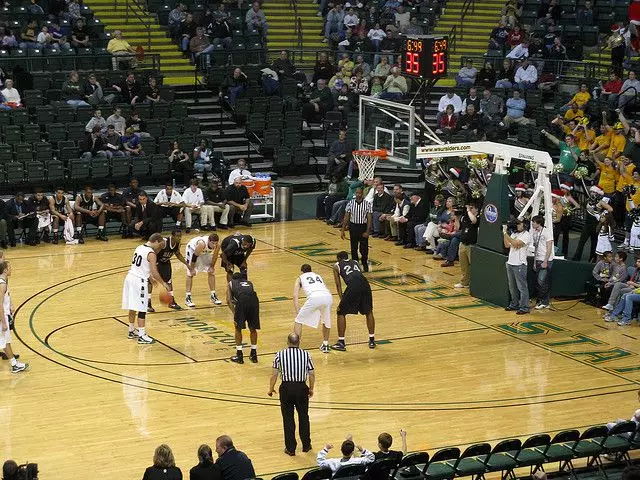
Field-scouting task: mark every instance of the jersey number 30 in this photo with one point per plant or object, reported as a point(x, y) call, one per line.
point(311, 280)
point(137, 260)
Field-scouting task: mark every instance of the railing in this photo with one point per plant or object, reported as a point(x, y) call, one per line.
point(135, 12)
point(453, 33)
point(68, 61)
point(297, 25)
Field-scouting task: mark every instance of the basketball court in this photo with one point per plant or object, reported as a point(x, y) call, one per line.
point(449, 368)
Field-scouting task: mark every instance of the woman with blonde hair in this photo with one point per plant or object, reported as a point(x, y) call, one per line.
point(164, 466)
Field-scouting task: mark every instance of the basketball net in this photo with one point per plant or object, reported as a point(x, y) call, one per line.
point(367, 160)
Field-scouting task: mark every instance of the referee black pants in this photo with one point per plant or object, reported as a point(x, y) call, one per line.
point(358, 241)
point(295, 395)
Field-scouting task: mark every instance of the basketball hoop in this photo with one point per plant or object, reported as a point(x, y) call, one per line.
point(366, 160)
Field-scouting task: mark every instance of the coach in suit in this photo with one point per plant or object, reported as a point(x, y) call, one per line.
point(147, 217)
point(17, 208)
point(418, 212)
point(234, 464)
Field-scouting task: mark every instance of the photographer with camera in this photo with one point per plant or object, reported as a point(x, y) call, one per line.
point(542, 240)
point(12, 471)
point(517, 239)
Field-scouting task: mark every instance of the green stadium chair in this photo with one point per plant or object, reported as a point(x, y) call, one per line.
point(68, 153)
point(18, 57)
point(14, 172)
point(33, 98)
point(171, 126)
point(159, 165)
point(472, 462)
point(259, 105)
point(55, 132)
point(242, 108)
point(165, 143)
point(35, 172)
point(19, 116)
point(271, 138)
point(561, 450)
point(618, 441)
point(121, 166)
point(79, 169)
point(68, 60)
point(283, 158)
point(5, 60)
point(301, 157)
point(125, 109)
point(411, 462)
point(55, 170)
point(275, 119)
point(380, 469)
point(275, 105)
point(442, 464)
point(167, 93)
point(66, 114)
point(286, 476)
point(19, 14)
point(84, 114)
point(292, 138)
point(36, 60)
point(178, 109)
point(99, 168)
point(533, 451)
point(53, 61)
point(255, 124)
point(53, 95)
point(75, 131)
point(524, 134)
point(219, 56)
point(31, 133)
point(5, 117)
point(255, 54)
point(160, 110)
point(44, 114)
point(350, 471)
point(12, 134)
point(154, 128)
point(163, 13)
point(502, 458)
point(238, 53)
point(293, 120)
point(140, 166)
point(43, 151)
point(590, 35)
point(148, 145)
point(318, 474)
point(95, 27)
point(102, 59)
point(186, 141)
point(6, 153)
point(144, 110)
point(190, 126)
point(24, 156)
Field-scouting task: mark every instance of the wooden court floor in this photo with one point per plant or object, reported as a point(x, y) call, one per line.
point(449, 369)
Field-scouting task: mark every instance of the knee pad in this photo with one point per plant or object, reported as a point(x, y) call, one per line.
point(142, 315)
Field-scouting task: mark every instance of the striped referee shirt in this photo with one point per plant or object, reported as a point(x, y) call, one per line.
point(359, 211)
point(294, 364)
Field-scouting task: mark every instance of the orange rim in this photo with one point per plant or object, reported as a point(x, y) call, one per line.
point(379, 154)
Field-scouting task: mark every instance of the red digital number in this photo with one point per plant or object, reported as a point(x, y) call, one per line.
point(438, 66)
point(412, 63)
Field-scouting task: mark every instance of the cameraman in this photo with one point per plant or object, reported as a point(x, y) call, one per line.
point(542, 238)
point(517, 240)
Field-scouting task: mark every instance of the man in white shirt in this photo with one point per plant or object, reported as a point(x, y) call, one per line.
point(518, 244)
point(194, 203)
point(450, 98)
point(526, 75)
point(10, 94)
point(542, 248)
point(519, 51)
point(171, 203)
point(402, 19)
point(241, 172)
point(347, 449)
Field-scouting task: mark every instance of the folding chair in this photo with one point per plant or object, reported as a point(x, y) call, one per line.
point(350, 471)
point(618, 442)
point(318, 474)
point(590, 446)
point(286, 476)
point(502, 458)
point(442, 464)
point(532, 453)
point(472, 462)
point(561, 450)
point(408, 466)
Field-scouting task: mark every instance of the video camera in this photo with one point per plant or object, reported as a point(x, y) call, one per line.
point(28, 471)
point(629, 190)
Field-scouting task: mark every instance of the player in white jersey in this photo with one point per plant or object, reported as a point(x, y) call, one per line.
point(317, 306)
point(6, 312)
point(135, 292)
point(201, 255)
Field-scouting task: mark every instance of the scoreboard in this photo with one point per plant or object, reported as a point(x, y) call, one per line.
point(426, 57)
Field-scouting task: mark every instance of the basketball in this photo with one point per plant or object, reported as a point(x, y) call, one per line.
point(165, 298)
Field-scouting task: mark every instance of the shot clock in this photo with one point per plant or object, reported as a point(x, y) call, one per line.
point(426, 56)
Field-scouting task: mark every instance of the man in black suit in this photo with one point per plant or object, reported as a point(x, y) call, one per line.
point(3, 224)
point(147, 217)
point(418, 212)
point(21, 215)
point(234, 464)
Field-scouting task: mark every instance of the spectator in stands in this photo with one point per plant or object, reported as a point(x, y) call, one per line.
point(176, 17)
point(320, 102)
point(617, 141)
point(112, 143)
point(234, 85)
point(44, 38)
point(164, 466)
point(520, 51)
point(498, 38)
point(580, 99)
point(130, 143)
point(526, 75)
point(346, 449)
point(558, 51)
point(350, 19)
point(79, 36)
point(93, 93)
point(256, 20)
point(170, 203)
point(240, 204)
point(9, 39)
point(120, 49)
point(233, 464)
point(400, 209)
point(206, 469)
point(569, 151)
point(72, 92)
point(147, 217)
point(58, 37)
point(395, 86)
point(338, 156)
point(630, 88)
point(347, 65)
point(193, 200)
point(240, 172)
point(506, 74)
point(486, 77)
point(376, 35)
point(417, 214)
point(447, 122)
point(612, 86)
point(29, 35)
point(222, 12)
point(469, 123)
point(385, 441)
point(118, 121)
point(151, 93)
point(284, 67)
point(552, 9)
point(389, 45)
point(512, 11)
point(402, 18)
point(129, 89)
point(323, 69)
point(96, 120)
point(382, 69)
point(139, 126)
point(515, 37)
point(584, 15)
point(73, 12)
point(516, 106)
point(10, 95)
point(467, 74)
point(180, 163)
point(220, 31)
point(363, 67)
point(346, 99)
point(35, 9)
point(336, 191)
point(93, 145)
point(202, 159)
point(584, 135)
point(334, 22)
point(449, 98)
point(471, 99)
point(383, 205)
point(573, 113)
point(187, 32)
point(491, 106)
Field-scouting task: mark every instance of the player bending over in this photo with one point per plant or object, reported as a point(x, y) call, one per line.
point(171, 248)
point(135, 292)
point(201, 255)
point(243, 302)
point(356, 298)
point(236, 250)
point(316, 307)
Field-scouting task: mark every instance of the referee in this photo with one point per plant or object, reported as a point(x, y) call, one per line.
point(358, 215)
point(294, 366)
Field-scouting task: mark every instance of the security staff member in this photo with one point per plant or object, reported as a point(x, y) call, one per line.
point(294, 366)
point(358, 217)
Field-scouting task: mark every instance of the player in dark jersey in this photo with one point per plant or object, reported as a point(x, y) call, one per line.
point(235, 251)
point(89, 209)
point(60, 212)
point(243, 302)
point(356, 298)
point(171, 248)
